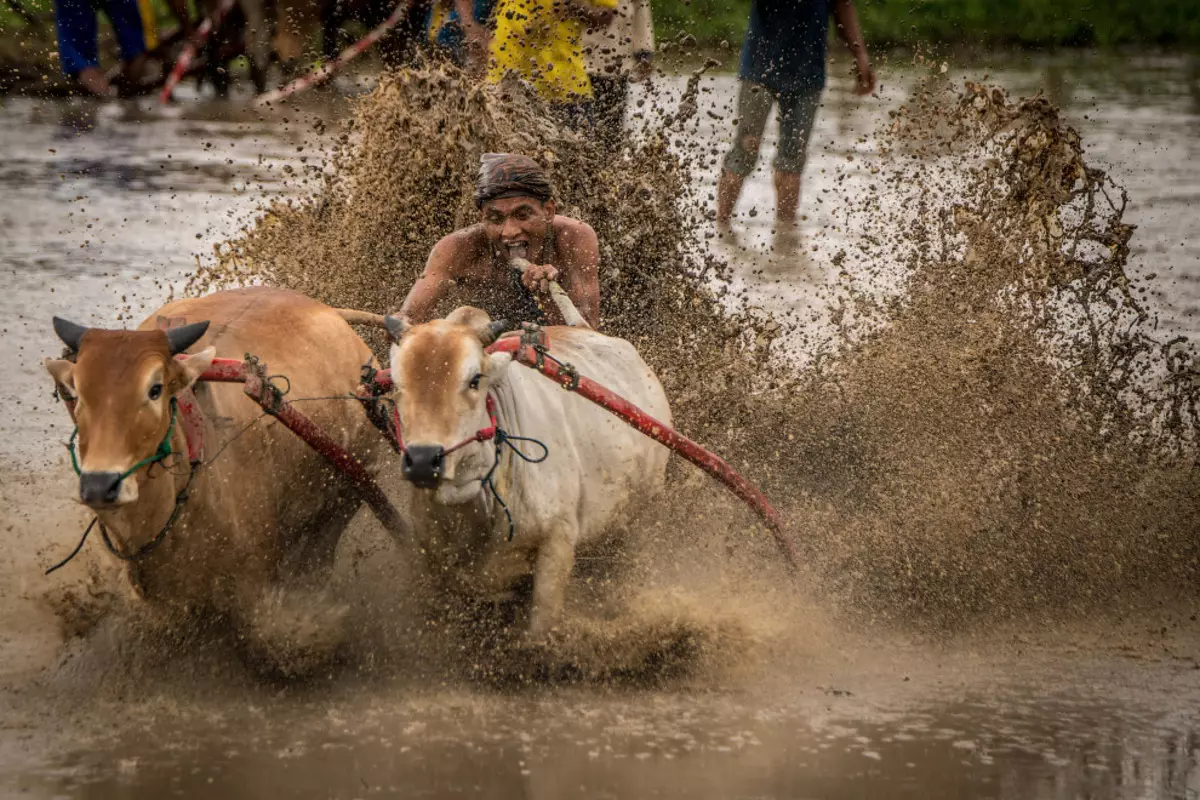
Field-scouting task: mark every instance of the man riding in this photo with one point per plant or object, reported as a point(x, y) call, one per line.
point(519, 219)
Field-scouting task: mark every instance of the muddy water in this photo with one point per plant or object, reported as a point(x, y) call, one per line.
point(106, 209)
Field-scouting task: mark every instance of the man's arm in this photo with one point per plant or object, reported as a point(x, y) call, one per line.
point(581, 272)
point(439, 272)
point(578, 274)
point(846, 17)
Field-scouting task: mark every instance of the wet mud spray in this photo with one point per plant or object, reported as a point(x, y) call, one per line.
point(999, 434)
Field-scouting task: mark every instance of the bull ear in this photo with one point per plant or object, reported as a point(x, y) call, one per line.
point(63, 373)
point(496, 367)
point(183, 337)
point(396, 327)
point(193, 366)
point(478, 320)
point(69, 332)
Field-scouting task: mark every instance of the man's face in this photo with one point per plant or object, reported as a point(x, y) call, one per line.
point(517, 226)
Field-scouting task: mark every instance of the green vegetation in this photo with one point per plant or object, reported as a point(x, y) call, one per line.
point(1022, 23)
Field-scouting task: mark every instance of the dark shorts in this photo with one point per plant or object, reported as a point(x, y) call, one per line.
point(797, 112)
point(78, 46)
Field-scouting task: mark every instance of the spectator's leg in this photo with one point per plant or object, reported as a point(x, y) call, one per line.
point(401, 46)
point(256, 37)
point(135, 28)
point(797, 112)
point(296, 23)
point(333, 16)
point(78, 50)
point(183, 15)
point(754, 105)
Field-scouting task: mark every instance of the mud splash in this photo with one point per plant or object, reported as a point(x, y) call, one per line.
point(1002, 435)
point(1031, 442)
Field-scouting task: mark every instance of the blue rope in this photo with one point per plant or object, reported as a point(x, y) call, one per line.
point(504, 438)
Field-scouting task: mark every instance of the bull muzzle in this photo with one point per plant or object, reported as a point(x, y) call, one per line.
point(100, 489)
point(422, 465)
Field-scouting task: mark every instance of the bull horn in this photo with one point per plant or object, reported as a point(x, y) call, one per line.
point(69, 332)
point(183, 337)
point(493, 330)
point(396, 327)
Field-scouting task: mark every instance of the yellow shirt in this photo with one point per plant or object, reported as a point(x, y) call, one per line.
point(542, 45)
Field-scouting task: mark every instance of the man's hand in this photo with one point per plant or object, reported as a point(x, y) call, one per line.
point(864, 76)
point(537, 278)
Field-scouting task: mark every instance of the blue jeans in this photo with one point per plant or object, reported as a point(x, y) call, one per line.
point(78, 46)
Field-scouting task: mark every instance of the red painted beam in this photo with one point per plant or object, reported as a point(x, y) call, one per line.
point(660, 432)
point(225, 370)
point(335, 454)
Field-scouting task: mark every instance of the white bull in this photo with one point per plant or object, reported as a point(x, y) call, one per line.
point(595, 466)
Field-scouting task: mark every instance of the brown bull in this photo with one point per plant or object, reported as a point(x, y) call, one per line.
point(264, 514)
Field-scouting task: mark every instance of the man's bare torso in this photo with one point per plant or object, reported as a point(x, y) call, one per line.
point(483, 278)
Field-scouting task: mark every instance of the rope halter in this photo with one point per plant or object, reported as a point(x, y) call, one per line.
point(163, 450)
point(481, 435)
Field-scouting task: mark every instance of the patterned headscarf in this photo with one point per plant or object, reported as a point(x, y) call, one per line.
point(510, 175)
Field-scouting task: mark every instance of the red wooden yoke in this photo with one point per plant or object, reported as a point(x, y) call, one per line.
point(258, 387)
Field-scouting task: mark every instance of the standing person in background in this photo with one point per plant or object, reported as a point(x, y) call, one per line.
point(541, 41)
point(615, 54)
point(78, 40)
point(458, 29)
point(783, 61)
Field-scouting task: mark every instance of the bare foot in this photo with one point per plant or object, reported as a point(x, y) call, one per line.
point(93, 81)
point(787, 239)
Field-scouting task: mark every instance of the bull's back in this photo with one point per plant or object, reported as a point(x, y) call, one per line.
point(617, 464)
point(279, 326)
point(613, 363)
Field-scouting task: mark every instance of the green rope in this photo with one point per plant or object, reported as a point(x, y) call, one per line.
point(164, 448)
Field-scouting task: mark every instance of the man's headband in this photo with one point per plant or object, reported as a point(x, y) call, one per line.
point(510, 175)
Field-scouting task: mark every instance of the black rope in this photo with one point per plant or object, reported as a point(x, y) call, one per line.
point(234, 438)
point(254, 421)
point(153, 544)
point(145, 549)
point(504, 438)
point(78, 547)
point(568, 370)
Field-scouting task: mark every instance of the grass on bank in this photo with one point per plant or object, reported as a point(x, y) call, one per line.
point(995, 23)
point(1000, 23)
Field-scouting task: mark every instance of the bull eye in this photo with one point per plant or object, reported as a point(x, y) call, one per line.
point(156, 391)
point(474, 384)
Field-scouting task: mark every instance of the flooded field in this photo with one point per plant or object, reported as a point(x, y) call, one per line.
point(107, 210)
